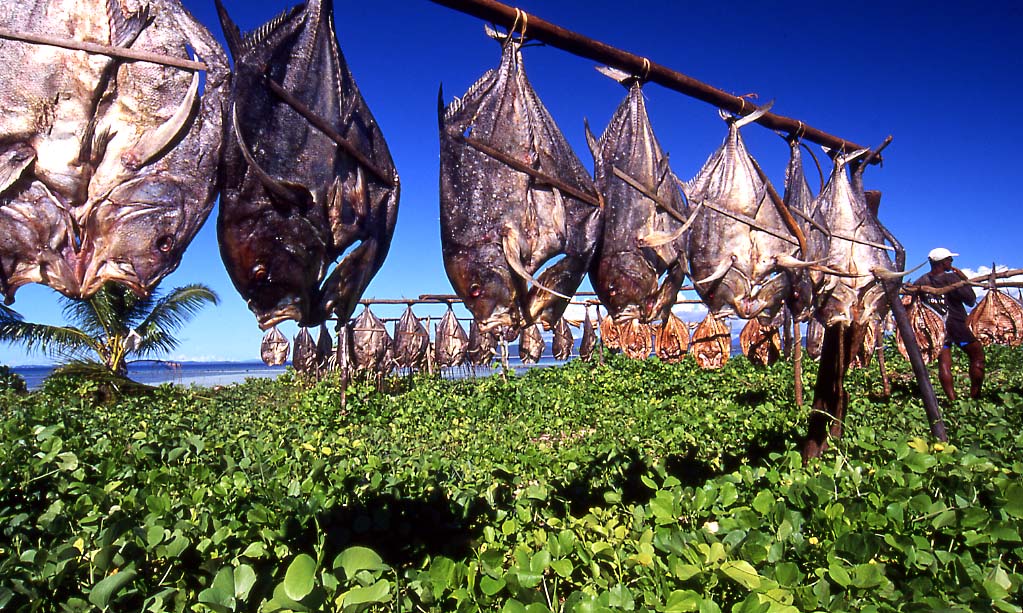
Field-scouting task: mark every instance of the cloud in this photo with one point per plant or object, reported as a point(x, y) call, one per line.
point(184, 357)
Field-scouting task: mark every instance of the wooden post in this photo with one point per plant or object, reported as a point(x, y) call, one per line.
point(797, 363)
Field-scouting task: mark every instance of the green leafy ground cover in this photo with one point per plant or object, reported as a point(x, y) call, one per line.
point(634, 486)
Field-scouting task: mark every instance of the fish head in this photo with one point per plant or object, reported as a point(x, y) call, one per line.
point(627, 285)
point(275, 266)
point(137, 234)
point(764, 299)
point(486, 285)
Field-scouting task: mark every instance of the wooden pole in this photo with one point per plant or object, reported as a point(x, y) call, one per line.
point(577, 44)
point(119, 52)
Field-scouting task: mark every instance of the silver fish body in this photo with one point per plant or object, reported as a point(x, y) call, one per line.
point(800, 200)
point(501, 223)
point(531, 344)
point(562, 344)
point(451, 342)
point(482, 346)
point(274, 348)
point(589, 338)
point(411, 341)
point(303, 358)
point(641, 262)
point(371, 344)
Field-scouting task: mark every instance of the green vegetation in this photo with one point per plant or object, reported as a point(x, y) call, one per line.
point(109, 327)
point(634, 486)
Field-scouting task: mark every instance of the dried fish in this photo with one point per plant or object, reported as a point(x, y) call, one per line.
point(482, 346)
point(513, 197)
point(814, 338)
point(589, 339)
point(671, 341)
point(531, 344)
point(760, 344)
point(997, 320)
point(866, 353)
point(800, 200)
point(561, 346)
point(109, 167)
point(636, 339)
point(610, 336)
point(324, 348)
point(451, 341)
point(711, 344)
point(411, 340)
point(303, 360)
point(371, 344)
point(274, 348)
point(641, 263)
point(740, 250)
point(929, 328)
point(306, 173)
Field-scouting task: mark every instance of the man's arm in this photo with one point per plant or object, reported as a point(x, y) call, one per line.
point(964, 293)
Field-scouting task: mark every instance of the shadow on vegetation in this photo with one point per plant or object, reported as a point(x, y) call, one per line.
point(404, 531)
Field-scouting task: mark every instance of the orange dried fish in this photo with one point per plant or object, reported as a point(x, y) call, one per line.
point(636, 340)
point(609, 334)
point(997, 319)
point(671, 341)
point(711, 342)
point(929, 329)
point(761, 344)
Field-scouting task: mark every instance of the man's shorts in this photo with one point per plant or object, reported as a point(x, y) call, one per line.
point(958, 333)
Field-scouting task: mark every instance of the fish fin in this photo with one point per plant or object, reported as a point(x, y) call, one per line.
point(261, 34)
point(845, 158)
point(657, 239)
point(151, 144)
point(592, 142)
point(232, 34)
point(13, 163)
point(621, 76)
point(721, 271)
point(291, 193)
point(124, 30)
point(755, 115)
point(513, 256)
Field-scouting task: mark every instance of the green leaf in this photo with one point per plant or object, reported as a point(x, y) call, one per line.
point(741, 572)
point(563, 567)
point(1014, 500)
point(763, 502)
point(299, 578)
point(244, 579)
point(681, 601)
point(839, 574)
point(107, 588)
point(997, 584)
point(490, 585)
point(354, 559)
point(378, 592)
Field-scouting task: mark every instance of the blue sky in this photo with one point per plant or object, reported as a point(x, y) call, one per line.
point(943, 82)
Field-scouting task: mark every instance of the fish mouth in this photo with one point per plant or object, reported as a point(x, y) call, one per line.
point(99, 273)
point(287, 309)
point(628, 314)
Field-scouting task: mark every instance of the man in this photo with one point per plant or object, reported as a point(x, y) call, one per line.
point(951, 307)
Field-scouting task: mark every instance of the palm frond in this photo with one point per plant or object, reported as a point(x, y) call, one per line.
point(59, 341)
point(174, 310)
point(9, 314)
point(155, 343)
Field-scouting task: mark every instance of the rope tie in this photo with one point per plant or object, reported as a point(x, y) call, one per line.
point(523, 17)
point(646, 69)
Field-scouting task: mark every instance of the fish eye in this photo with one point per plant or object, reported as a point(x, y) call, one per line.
point(165, 243)
point(259, 273)
point(475, 290)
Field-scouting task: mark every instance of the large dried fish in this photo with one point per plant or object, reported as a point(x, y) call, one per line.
point(929, 329)
point(108, 167)
point(640, 265)
point(636, 339)
point(450, 342)
point(482, 346)
point(513, 197)
point(711, 344)
point(740, 249)
point(589, 339)
point(411, 340)
point(274, 348)
point(997, 319)
point(531, 344)
point(561, 345)
point(760, 344)
point(671, 341)
point(298, 196)
point(303, 359)
point(371, 344)
point(800, 200)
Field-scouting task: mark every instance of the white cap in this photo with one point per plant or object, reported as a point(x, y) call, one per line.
point(940, 253)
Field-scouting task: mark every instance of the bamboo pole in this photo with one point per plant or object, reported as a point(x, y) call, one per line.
point(577, 44)
point(118, 52)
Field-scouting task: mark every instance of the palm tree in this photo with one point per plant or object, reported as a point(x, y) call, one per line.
point(110, 326)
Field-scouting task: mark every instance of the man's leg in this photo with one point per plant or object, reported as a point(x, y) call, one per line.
point(945, 372)
point(976, 352)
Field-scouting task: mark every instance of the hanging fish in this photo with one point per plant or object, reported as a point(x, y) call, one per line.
point(303, 360)
point(799, 200)
point(997, 319)
point(929, 328)
point(610, 336)
point(561, 346)
point(635, 339)
point(641, 263)
point(482, 346)
point(531, 344)
point(109, 166)
point(814, 338)
point(740, 248)
point(324, 348)
point(589, 339)
point(411, 340)
point(274, 348)
point(711, 344)
point(371, 343)
point(343, 359)
point(513, 197)
point(306, 174)
point(671, 341)
point(451, 342)
point(760, 344)
point(866, 353)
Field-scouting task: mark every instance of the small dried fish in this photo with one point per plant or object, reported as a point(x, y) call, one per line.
point(814, 338)
point(610, 336)
point(274, 348)
point(561, 346)
point(929, 328)
point(531, 344)
point(451, 342)
point(711, 344)
point(482, 346)
point(760, 344)
point(671, 342)
point(636, 339)
point(324, 348)
point(997, 320)
point(411, 340)
point(589, 339)
point(371, 344)
point(303, 360)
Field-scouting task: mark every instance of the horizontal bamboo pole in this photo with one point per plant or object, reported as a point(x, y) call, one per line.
point(577, 44)
point(118, 52)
